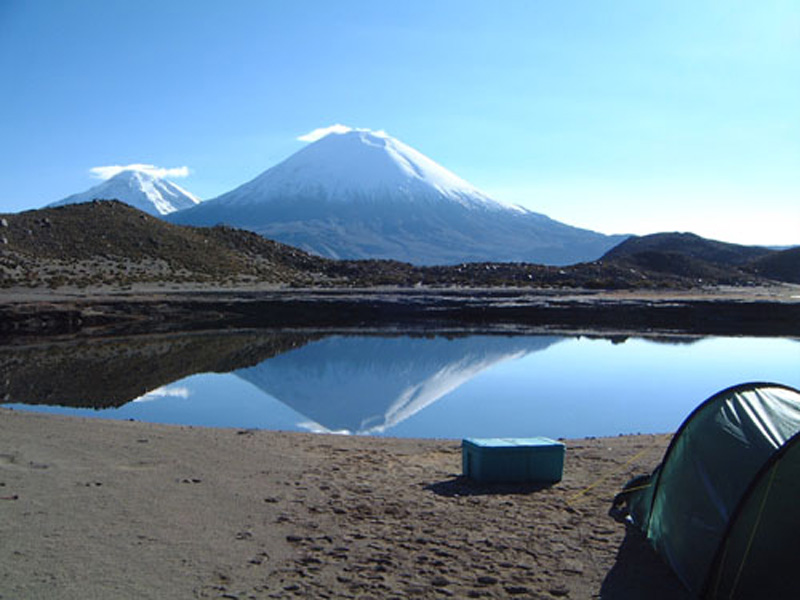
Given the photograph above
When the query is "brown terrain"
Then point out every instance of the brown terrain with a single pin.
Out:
(107, 243)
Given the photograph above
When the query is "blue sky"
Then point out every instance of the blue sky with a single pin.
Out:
(617, 116)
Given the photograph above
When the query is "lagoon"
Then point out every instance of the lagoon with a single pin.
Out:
(434, 386)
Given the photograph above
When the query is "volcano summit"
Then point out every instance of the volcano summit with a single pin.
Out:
(140, 189)
(363, 194)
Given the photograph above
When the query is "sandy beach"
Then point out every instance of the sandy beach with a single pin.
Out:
(103, 509)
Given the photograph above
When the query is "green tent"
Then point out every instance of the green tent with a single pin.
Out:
(723, 507)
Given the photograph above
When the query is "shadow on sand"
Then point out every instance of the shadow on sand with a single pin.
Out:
(640, 573)
(464, 486)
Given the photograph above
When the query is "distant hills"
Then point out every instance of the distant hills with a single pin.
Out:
(110, 243)
(688, 245)
(365, 195)
(781, 266)
(691, 256)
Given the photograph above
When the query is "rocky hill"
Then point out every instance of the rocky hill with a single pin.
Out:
(690, 256)
(690, 245)
(781, 266)
(108, 243)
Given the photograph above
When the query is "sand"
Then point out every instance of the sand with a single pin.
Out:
(104, 509)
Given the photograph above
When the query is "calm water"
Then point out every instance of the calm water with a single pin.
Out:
(473, 386)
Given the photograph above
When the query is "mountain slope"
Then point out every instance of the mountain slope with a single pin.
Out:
(690, 256)
(781, 266)
(363, 194)
(691, 245)
(153, 195)
(109, 241)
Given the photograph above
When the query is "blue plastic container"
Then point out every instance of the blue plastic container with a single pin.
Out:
(513, 460)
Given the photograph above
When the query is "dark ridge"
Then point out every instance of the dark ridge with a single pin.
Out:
(103, 233)
(683, 265)
(783, 265)
(690, 256)
(690, 245)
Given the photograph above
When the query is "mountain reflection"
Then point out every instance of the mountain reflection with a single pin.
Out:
(110, 372)
(494, 385)
(367, 385)
(354, 384)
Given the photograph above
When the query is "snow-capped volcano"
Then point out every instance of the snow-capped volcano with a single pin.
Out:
(364, 194)
(140, 189)
(362, 165)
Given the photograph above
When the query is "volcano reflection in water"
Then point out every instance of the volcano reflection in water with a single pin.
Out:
(367, 385)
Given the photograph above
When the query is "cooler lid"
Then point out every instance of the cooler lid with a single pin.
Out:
(511, 442)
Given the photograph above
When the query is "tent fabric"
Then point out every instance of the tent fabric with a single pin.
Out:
(701, 506)
(758, 557)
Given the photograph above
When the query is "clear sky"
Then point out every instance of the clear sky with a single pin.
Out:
(623, 117)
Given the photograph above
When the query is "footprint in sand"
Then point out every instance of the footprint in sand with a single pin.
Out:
(7, 459)
(138, 466)
(12, 460)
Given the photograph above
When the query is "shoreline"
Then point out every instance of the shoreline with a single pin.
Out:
(770, 311)
(95, 508)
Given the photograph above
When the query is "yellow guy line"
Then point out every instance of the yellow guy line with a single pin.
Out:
(572, 498)
(755, 528)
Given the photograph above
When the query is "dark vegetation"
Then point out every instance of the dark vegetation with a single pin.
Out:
(110, 243)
